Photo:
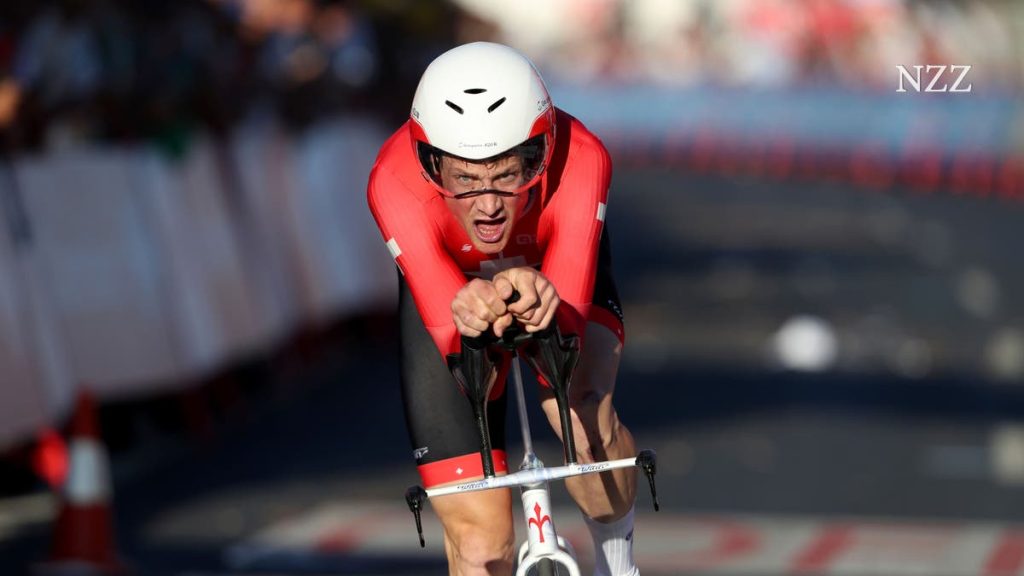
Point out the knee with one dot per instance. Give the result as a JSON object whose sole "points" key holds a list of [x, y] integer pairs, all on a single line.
{"points": [[481, 549], [588, 403], [479, 537], [596, 433], [590, 411]]}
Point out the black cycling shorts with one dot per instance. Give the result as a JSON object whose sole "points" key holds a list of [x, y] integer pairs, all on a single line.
{"points": [[438, 417]]}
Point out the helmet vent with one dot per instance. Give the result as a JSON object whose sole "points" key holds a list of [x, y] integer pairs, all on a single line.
{"points": [[454, 106], [497, 103], [475, 90]]}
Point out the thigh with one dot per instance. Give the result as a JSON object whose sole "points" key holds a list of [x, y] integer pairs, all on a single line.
{"points": [[606, 308], [605, 334], [594, 419], [442, 431], [598, 366], [593, 382]]}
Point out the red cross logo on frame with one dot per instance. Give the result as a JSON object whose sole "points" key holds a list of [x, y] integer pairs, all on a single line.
{"points": [[539, 521]]}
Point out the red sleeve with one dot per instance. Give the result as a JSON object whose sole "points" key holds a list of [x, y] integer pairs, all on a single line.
{"points": [[416, 245], [575, 219]]}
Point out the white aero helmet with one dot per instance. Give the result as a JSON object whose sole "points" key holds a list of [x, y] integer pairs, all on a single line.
{"points": [[479, 101]]}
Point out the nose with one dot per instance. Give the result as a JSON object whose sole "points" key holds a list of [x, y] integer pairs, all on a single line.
{"points": [[489, 204]]}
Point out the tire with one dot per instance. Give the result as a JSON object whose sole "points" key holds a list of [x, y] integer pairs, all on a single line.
{"points": [[550, 568]]}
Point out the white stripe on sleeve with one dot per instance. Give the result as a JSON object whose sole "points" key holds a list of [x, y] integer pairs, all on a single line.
{"points": [[394, 249]]}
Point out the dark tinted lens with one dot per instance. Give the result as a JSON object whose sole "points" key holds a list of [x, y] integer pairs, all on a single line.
{"points": [[430, 161], [533, 153]]}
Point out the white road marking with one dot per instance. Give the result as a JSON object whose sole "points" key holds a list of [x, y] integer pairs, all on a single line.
{"points": [[681, 543]]}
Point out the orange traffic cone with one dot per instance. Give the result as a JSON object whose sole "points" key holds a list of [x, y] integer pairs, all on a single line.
{"points": [[84, 533]]}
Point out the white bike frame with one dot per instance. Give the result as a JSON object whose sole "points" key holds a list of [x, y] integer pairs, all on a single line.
{"points": [[542, 540]]}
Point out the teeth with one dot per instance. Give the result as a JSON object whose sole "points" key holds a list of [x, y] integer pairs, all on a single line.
{"points": [[488, 232]]}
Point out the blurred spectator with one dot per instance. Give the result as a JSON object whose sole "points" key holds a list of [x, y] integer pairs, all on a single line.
{"points": [[72, 60], [855, 44], [10, 96], [320, 59], [158, 69], [12, 18]]}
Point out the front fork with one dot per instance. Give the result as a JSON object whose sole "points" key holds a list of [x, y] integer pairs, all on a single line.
{"points": [[543, 541]]}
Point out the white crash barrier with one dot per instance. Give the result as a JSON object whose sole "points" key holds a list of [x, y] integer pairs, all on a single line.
{"points": [[262, 157], [99, 268], [143, 273], [204, 242], [375, 268], [191, 311], [345, 265], [26, 406]]}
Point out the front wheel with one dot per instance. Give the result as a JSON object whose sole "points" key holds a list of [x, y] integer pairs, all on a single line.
{"points": [[559, 562], [548, 567]]}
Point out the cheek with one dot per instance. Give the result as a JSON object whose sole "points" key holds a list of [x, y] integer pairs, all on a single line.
{"points": [[459, 209], [515, 206]]}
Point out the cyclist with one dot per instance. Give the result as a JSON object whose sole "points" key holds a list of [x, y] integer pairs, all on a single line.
{"points": [[488, 188]]}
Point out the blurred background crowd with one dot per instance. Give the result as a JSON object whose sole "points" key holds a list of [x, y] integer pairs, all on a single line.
{"points": [[853, 43], [132, 71], [112, 69], [184, 230]]}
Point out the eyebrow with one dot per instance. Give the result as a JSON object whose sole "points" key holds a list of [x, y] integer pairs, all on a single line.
{"points": [[456, 171]]}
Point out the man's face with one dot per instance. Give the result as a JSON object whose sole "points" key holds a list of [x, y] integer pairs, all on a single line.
{"points": [[485, 204]]}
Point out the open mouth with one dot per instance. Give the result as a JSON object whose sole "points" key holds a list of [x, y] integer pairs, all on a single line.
{"points": [[489, 231]]}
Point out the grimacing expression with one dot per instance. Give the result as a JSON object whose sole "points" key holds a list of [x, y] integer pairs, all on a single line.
{"points": [[485, 202]]}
